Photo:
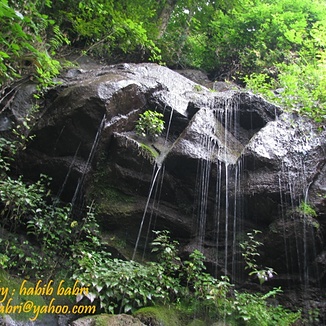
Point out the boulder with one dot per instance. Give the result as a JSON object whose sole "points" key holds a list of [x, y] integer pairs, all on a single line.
{"points": [[108, 320], [228, 162]]}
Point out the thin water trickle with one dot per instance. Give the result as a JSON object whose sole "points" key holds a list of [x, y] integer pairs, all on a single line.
{"points": [[226, 244], [68, 173], [286, 245], [155, 205], [294, 192], [168, 128], [237, 218], [203, 189], [157, 168], [221, 151], [89, 160], [217, 210], [58, 138], [305, 256]]}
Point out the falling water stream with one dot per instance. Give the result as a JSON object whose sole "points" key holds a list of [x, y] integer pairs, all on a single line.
{"points": [[89, 160], [157, 168], [68, 173], [218, 199]]}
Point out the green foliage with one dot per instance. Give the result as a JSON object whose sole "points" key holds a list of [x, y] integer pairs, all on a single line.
{"points": [[301, 88], [167, 251], [266, 44], [263, 33], [295, 64], [27, 37], [126, 284], [306, 209], [7, 152], [22, 258], [202, 284], [20, 199], [253, 309], [150, 123], [250, 247], [110, 29], [30, 207], [57, 238]]}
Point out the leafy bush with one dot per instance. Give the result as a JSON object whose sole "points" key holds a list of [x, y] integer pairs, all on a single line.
{"points": [[306, 209], [131, 285], [250, 247], [121, 285], [30, 207], [298, 87], [110, 29], [150, 123], [252, 309], [124, 285], [25, 47]]}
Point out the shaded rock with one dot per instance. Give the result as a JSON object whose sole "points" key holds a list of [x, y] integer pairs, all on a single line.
{"points": [[108, 320], [160, 316], [197, 76], [285, 246], [221, 86], [227, 162], [46, 320], [283, 162]]}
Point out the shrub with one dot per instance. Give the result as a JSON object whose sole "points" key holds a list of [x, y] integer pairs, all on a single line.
{"points": [[250, 247], [121, 285], [150, 123]]}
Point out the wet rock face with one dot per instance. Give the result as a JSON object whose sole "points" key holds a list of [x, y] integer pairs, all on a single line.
{"points": [[227, 162]]}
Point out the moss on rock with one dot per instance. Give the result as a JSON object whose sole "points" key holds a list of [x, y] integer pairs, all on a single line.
{"points": [[108, 320], [159, 316], [13, 298]]}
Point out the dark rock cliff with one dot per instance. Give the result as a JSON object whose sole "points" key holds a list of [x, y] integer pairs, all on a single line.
{"points": [[228, 162]]}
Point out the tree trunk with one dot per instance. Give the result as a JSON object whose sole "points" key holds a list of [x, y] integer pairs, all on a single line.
{"points": [[165, 14]]}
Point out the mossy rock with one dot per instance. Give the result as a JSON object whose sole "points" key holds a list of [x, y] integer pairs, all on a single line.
{"points": [[112, 201], [12, 301], [159, 316], [108, 320], [197, 322], [148, 151]]}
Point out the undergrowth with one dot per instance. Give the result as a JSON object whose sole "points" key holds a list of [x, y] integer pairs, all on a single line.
{"points": [[39, 237]]}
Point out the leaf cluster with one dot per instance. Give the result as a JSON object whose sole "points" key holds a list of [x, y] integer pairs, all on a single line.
{"points": [[28, 40], [250, 253], [52, 231], [252, 309], [120, 285], [150, 123], [123, 285], [128, 285]]}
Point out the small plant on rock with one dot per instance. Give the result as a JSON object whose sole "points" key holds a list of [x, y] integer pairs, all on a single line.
{"points": [[150, 123], [250, 247], [306, 209]]}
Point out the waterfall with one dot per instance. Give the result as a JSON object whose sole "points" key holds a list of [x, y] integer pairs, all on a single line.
{"points": [[218, 206], [156, 170], [158, 183], [68, 173], [88, 163], [204, 170]]}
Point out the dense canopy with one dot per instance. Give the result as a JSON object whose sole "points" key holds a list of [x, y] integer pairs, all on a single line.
{"points": [[263, 44]]}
